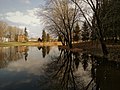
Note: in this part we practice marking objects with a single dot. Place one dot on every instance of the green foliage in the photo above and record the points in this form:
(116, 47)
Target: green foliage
(85, 32)
(77, 29)
(60, 37)
(48, 37)
(44, 36)
(110, 18)
(25, 32)
(93, 35)
(76, 33)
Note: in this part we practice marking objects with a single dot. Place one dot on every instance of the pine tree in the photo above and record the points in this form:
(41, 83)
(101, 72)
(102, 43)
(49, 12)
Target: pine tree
(85, 33)
(76, 33)
(48, 37)
(26, 34)
(44, 37)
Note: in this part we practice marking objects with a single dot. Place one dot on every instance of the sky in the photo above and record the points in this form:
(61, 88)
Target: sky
(22, 13)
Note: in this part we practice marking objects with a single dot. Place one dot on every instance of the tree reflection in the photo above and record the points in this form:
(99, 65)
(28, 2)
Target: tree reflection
(14, 53)
(64, 68)
(45, 50)
(76, 59)
(48, 49)
(85, 58)
(26, 53)
(105, 74)
(66, 72)
(39, 47)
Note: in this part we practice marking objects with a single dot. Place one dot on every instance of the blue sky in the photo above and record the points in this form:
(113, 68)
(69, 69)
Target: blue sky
(21, 13)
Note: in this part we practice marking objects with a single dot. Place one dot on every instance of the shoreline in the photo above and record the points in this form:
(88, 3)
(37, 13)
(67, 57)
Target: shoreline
(80, 45)
(7, 44)
(85, 47)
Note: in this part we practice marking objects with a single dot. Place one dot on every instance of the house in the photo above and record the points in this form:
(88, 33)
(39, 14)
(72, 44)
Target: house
(21, 38)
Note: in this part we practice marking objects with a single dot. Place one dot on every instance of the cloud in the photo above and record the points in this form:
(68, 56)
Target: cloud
(24, 19)
(27, 18)
(25, 1)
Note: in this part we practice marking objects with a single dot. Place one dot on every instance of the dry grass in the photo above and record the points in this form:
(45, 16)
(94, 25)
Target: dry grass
(29, 44)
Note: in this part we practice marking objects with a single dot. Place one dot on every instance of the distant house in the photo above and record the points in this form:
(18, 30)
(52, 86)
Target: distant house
(21, 38)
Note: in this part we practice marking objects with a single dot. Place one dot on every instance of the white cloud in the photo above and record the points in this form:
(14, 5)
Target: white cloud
(27, 18)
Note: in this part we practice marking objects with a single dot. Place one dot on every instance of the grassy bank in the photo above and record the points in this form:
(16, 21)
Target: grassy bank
(94, 48)
(6, 44)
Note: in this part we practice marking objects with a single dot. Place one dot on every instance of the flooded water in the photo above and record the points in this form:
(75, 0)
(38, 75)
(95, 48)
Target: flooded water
(50, 68)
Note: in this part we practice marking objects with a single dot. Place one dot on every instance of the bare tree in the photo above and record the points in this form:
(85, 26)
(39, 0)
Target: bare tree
(60, 17)
(8, 32)
(3, 28)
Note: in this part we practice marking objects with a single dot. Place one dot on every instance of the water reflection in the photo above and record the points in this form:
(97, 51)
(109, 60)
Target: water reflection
(45, 50)
(18, 74)
(82, 71)
(66, 70)
(76, 59)
(8, 54)
(26, 53)
(39, 47)
(106, 74)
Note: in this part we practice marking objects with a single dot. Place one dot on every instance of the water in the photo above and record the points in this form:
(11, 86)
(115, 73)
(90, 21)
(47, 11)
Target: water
(50, 68)
(21, 68)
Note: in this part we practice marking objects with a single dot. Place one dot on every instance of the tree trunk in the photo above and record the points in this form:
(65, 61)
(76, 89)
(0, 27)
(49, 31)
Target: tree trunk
(70, 45)
(104, 48)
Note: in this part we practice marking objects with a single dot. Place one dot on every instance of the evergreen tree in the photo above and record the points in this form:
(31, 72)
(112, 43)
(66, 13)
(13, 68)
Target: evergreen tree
(93, 35)
(26, 34)
(44, 37)
(112, 20)
(48, 37)
(85, 33)
(76, 33)
(60, 38)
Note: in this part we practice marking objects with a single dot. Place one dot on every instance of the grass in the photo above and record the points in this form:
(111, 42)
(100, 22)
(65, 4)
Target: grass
(6, 44)
(90, 47)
